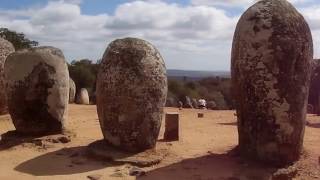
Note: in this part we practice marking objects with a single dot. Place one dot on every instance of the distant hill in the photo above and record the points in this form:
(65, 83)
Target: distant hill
(195, 75)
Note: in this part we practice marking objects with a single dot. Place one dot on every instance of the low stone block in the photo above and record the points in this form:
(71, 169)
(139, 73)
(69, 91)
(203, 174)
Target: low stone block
(171, 127)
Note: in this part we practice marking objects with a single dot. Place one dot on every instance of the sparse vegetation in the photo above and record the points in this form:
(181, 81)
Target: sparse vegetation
(215, 89)
(84, 73)
(18, 40)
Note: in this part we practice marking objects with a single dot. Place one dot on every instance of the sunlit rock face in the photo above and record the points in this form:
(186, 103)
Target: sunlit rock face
(271, 54)
(83, 97)
(37, 86)
(72, 91)
(131, 94)
(6, 48)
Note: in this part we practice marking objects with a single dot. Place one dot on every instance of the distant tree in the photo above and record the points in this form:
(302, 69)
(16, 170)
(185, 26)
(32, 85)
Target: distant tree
(83, 72)
(18, 40)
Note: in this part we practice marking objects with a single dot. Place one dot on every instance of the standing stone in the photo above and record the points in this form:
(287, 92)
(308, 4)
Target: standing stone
(6, 48)
(200, 115)
(211, 105)
(314, 88)
(171, 132)
(180, 105)
(131, 94)
(187, 102)
(310, 109)
(171, 102)
(72, 91)
(83, 97)
(37, 90)
(271, 53)
(194, 103)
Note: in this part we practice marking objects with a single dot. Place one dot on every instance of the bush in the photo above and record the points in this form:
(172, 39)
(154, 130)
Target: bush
(84, 74)
(211, 89)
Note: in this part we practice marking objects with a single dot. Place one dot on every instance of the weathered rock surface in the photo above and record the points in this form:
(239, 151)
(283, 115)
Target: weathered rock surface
(37, 90)
(131, 94)
(271, 54)
(314, 89)
(83, 97)
(72, 91)
(103, 151)
(171, 132)
(194, 103)
(6, 48)
(187, 102)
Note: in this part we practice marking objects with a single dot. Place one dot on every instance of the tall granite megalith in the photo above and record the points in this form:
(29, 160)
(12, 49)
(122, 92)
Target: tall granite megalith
(131, 94)
(6, 48)
(72, 91)
(38, 90)
(271, 54)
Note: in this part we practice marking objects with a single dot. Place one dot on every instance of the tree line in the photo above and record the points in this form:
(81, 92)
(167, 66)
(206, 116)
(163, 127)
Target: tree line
(217, 89)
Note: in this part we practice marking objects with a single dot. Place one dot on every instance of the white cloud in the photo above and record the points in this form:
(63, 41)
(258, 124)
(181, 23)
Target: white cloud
(239, 3)
(172, 28)
(189, 37)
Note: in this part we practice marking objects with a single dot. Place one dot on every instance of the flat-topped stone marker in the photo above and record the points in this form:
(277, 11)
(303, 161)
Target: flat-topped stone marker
(171, 132)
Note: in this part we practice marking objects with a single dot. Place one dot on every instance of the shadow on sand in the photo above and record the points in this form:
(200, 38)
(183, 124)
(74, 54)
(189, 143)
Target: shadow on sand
(12, 138)
(212, 167)
(229, 124)
(313, 125)
(97, 155)
(62, 162)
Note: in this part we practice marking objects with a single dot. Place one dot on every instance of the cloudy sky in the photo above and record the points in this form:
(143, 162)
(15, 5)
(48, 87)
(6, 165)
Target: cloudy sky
(190, 34)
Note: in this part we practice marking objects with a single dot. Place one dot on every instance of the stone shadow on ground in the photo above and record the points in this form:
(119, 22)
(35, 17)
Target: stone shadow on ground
(97, 155)
(212, 167)
(313, 125)
(65, 161)
(13, 138)
(228, 124)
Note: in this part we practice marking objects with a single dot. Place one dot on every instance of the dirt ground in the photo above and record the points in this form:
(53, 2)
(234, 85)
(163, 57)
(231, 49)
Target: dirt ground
(202, 153)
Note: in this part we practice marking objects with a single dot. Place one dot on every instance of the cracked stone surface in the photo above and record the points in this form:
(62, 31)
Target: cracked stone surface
(271, 54)
(131, 94)
(37, 89)
(6, 48)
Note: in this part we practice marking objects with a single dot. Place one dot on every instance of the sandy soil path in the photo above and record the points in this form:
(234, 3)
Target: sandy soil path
(201, 154)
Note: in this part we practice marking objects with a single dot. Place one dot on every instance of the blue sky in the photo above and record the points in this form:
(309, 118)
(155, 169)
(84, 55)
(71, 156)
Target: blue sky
(190, 34)
(91, 7)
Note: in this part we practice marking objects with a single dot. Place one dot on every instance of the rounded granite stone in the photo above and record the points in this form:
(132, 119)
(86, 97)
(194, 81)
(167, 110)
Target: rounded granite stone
(83, 97)
(131, 94)
(6, 48)
(271, 54)
(72, 91)
(37, 86)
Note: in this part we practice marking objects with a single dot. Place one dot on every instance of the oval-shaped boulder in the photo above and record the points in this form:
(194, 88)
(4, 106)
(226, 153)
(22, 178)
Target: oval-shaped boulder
(83, 97)
(6, 48)
(131, 94)
(72, 91)
(37, 90)
(271, 54)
